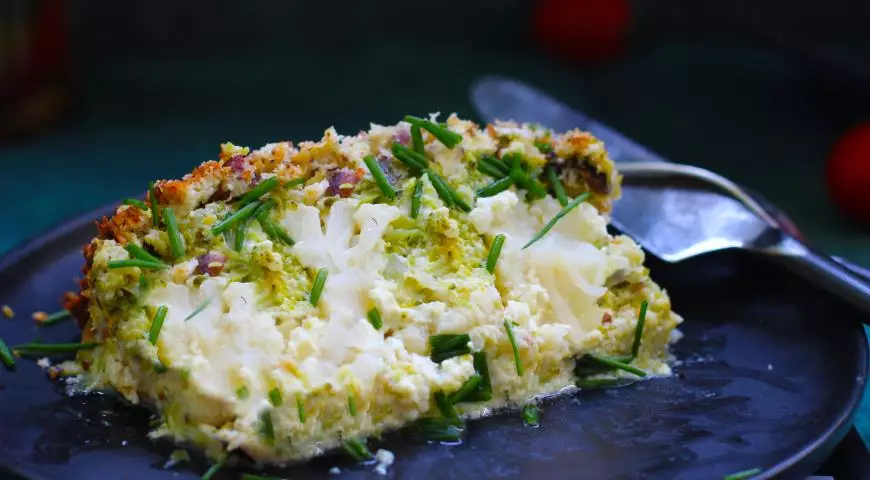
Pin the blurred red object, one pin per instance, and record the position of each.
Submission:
(848, 173)
(34, 65)
(587, 31)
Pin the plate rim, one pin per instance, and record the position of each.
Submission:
(821, 445)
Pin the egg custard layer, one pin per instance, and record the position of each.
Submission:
(285, 300)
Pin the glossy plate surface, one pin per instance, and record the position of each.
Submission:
(771, 372)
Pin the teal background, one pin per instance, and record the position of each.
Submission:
(744, 112)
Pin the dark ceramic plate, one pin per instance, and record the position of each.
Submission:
(771, 373)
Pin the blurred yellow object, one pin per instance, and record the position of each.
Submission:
(34, 65)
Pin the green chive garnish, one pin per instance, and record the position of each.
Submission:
(267, 430)
(544, 147)
(596, 383)
(556, 185)
(439, 429)
(380, 177)
(294, 183)
(6, 355)
(357, 449)
(137, 263)
(51, 348)
(255, 193)
(155, 209)
(212, 470)
(375, 318)
(317, 287)
(531, 415)
(275, 397)
(176, 243)
(496, 187)
(239, 234)
(445, 136)
(140, 253)
(251, 476)
(445, 406)
(552, 223)
(611, 364)
(486, 169)
(469, 386)
(448, 346)
(494, 252)
(242, 392)
(274, 231)
(410, 158)
(523, 180)
(484, 390)
(510, 333)
(143, 283)
(448, 195)
(233, 219)
(417, 198)
(199, 308)
(351, 405)
(159, 367)
(417, 140)
(54, 318)
(157, 324)
(498, 168)
(135, 202)
(743, 475)
(300, 408)
(638, 331)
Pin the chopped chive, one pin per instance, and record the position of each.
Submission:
(531, 415)
(571, 206)
(484, 390)
(612, 364)
(495, 164)
(448, 345)
(239, 234)
(442, 355)
(275, 397)
(445, 136)
(137, 263)
(375, 318)
(417, 140)
(294, 183)
(157, 324)
(255, 193)
(523, 180)
(494, 252)
(54, 318)
(242, 392)
(556, 185)
(140, 253)
(251, 476)
(445, 406)
(6, 355)
(449, 196)
(543, 147)
(638, 331)
(50, 348)
(267, 429)
(357, 449)
(300, 408)
(496, 187)
(510, 333)
(596, 383)
(317, 286)
(275, 232)
(417, 198)
(233, 219)
(439, 429)
(410, 158)
(159, 367)
(155, 209)
(380, 177)
(742, 475)
(199, 308)
(469, 386)
(351, 405)
(489, 170)
(143, 283)
(212, 470)
(176, 243)
(135, 202)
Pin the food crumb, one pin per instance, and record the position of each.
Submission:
(385, 458)
(335, 471)
(39, 316)
(7, 311)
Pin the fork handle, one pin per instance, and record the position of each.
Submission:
(823, 271)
